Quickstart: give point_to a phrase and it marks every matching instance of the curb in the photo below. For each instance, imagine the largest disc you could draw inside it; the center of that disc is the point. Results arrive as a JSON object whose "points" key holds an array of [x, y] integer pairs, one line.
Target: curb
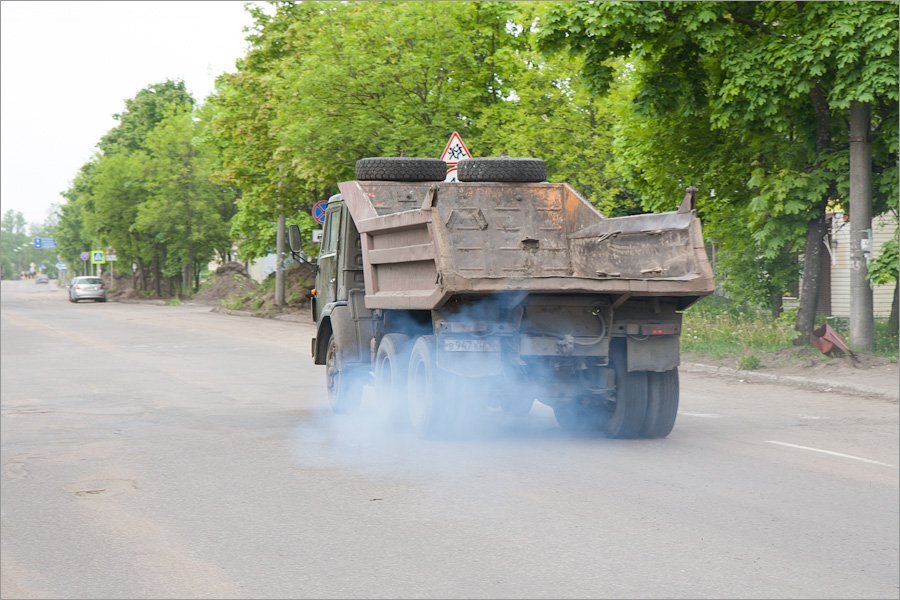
{"points": [[791, 380], [289, 317]]}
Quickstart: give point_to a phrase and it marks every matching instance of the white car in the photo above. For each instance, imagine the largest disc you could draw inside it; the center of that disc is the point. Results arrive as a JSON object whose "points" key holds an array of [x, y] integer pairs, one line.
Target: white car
{"points": [[87, 288]]}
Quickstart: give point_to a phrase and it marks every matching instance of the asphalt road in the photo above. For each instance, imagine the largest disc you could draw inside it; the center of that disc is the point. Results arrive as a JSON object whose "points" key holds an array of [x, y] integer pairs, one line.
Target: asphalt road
{"points": [[171, 452]]}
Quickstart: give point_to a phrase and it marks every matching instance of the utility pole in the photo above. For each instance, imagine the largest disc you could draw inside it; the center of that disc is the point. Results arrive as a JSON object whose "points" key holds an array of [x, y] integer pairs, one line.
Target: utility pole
{"points": [[861, 311], [279, 260], [279, 249]]}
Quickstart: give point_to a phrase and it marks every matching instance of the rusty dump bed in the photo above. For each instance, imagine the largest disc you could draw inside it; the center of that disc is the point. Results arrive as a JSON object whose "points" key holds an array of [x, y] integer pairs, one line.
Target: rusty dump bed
{"points": [[425, 242]]}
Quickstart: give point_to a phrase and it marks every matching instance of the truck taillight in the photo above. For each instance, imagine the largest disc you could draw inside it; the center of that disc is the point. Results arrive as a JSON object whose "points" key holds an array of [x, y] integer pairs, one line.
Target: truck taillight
{"points": [[659, 329]]}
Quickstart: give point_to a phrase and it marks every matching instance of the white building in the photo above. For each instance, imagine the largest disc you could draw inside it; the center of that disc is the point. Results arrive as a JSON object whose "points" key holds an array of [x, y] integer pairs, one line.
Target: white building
{"points": [[883, 228]]}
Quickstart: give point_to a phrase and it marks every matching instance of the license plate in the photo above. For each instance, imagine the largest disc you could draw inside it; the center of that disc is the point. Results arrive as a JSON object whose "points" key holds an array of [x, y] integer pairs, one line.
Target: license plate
{"points": [[452, 345]]}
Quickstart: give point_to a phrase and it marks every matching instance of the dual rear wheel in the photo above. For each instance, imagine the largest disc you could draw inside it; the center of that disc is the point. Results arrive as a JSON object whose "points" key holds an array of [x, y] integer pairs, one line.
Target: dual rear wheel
{"points": [[645, 406], [409, 390]]}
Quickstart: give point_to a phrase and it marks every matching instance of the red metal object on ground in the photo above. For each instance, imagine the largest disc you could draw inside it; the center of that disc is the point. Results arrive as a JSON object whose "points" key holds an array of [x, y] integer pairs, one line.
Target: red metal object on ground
{"points": [[828, 340]]}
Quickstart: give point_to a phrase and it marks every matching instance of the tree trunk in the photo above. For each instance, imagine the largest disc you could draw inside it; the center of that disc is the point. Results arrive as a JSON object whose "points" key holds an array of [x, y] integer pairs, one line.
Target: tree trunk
{"points": [[862, 322], [776, 302], [815, 229], [809, 284], [157, 276]]}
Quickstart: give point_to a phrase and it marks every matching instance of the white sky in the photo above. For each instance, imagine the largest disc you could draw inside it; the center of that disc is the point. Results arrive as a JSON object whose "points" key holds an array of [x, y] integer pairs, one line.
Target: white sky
{"points": [[67, 67]]}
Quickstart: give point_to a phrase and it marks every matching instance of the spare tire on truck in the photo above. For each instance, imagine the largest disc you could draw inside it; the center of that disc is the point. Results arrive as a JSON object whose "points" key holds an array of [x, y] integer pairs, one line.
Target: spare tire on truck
{"points": [[518, 170], [401, 169]]}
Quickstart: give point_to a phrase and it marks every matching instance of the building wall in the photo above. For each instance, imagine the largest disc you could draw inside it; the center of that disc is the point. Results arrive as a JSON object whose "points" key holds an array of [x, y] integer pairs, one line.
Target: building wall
{"points": [[882, 295]]}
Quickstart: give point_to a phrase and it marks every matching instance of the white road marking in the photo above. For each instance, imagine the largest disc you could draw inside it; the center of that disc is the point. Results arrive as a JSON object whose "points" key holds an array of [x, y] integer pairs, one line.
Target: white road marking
{"points": [[701, 415], [841, 454]]}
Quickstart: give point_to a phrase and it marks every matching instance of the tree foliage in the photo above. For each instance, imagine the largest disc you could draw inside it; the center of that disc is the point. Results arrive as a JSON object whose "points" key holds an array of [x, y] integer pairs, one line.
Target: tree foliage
{"points": [[771, 80]]}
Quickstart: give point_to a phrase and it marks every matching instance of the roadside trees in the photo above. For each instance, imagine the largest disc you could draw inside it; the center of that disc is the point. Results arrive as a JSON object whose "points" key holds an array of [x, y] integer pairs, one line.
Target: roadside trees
{"points": [[790, 72]]}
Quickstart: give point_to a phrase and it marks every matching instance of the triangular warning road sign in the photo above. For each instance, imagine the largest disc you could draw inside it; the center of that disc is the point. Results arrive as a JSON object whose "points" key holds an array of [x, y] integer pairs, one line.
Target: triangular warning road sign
{"points": [[453, 152]]}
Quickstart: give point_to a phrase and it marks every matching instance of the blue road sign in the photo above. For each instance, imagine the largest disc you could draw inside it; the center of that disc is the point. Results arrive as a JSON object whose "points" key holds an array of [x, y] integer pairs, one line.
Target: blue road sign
{"points": [[318, 211], [40, 242]]}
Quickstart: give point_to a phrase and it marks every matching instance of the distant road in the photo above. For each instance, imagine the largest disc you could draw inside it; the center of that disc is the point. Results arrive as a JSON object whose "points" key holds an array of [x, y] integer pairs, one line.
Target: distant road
{"points": [[170, 452]]}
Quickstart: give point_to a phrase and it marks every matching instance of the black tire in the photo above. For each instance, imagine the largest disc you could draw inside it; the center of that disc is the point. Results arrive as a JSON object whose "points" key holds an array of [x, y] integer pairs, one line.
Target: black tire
{"points": [[429, 413], [401, 169], [662, 404], [344, 383], [525, 170], [627, 417], [391, 363]]}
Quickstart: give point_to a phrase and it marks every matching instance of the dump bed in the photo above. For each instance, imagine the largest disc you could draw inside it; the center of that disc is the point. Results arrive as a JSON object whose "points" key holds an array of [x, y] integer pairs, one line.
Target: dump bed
{"points": [[423, 243]]}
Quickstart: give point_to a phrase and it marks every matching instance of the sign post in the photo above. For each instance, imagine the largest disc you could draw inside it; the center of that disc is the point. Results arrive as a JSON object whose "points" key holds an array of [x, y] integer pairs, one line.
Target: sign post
{"points": [[453, 152], [84, 256], [111, 259]]}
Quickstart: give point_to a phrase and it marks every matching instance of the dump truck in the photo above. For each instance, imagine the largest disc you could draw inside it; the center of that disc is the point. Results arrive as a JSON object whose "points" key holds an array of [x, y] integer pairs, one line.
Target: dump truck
{"points": [[498, 290]]}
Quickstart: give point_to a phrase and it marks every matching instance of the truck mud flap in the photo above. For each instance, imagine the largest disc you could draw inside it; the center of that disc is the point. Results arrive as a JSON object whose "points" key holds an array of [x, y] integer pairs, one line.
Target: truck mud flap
{"points": [[653, 353]]}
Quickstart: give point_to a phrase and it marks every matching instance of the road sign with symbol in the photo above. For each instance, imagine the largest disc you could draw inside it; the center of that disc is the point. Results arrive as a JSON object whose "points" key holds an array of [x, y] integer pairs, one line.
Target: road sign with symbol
{"points": [[453, 152], [98, 257], [318, 211], [43, 242], [84, 256]]}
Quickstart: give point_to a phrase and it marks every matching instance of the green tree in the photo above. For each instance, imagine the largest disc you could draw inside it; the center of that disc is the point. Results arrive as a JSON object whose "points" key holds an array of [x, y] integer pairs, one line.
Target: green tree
{"points": [[183, 216], [13, 244], [141, 115], [786, 70]]}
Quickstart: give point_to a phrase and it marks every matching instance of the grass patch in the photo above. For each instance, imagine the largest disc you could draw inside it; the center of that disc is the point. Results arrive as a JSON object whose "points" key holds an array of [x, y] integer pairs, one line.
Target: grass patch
{"points": [[721, 328]]}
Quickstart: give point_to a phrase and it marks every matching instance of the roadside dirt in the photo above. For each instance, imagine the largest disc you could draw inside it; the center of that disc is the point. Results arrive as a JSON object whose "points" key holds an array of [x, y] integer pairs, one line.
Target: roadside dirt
{"points": [[229, 283], [230, 287], [804, 360]]}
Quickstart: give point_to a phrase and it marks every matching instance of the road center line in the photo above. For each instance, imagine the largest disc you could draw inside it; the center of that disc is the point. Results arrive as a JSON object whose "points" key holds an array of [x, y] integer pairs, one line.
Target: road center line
{"points": [[841, 454]]}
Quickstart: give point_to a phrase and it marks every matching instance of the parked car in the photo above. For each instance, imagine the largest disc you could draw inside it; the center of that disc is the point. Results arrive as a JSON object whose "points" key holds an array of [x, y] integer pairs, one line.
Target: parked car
{"points": [[42, 279], [87, 288]]}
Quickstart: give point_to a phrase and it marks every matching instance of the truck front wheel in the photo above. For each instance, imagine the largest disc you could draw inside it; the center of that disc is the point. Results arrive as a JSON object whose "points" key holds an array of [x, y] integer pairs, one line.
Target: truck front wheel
{"points": [[344, 382]]}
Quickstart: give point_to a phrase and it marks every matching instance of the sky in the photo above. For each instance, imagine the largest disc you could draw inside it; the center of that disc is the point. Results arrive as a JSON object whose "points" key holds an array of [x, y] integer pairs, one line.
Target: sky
{"points": [[67, 67]]}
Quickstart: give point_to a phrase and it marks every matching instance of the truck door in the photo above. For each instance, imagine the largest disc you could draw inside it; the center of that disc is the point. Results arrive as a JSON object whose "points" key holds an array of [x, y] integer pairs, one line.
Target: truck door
{"points": [[326, 278]]}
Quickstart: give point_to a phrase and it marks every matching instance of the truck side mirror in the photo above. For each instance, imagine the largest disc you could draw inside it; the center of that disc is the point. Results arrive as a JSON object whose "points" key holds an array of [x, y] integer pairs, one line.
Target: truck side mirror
{"points": [[295, 239]]}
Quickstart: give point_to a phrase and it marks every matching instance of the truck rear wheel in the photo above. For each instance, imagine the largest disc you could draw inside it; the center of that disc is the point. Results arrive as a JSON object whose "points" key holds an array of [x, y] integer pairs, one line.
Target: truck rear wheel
{"points": [[401, 169], [344, 383], [526, 170], [627, 416], [391, 363], [662, 404], [428, 411]]}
